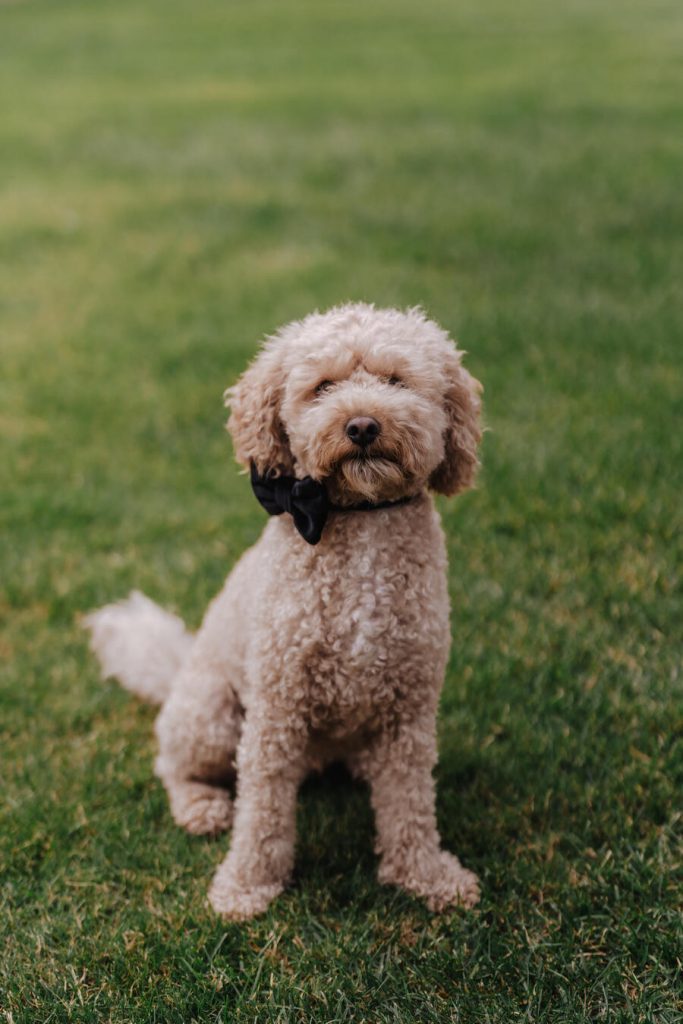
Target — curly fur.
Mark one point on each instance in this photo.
(347, 660)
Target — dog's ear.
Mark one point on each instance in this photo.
(257, 432)
(463, 430)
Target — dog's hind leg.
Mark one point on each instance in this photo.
(200, 808)
(198, 730)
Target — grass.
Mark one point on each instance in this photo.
(177, 180)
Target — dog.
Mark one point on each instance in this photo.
(330, 638)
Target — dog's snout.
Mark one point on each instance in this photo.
(362, 430)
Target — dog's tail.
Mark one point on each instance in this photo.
(140, 644)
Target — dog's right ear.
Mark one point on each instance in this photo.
(257, 432)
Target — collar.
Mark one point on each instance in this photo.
(306, 501)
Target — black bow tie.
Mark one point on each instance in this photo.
(306, 501)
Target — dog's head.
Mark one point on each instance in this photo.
(373, 402)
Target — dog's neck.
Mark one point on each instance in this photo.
(405, 515)
(372, 506)
(390, 527)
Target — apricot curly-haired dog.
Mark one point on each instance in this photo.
(330, 637)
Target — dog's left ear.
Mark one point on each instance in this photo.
(258, 434)
(463, 430)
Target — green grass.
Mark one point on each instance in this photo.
(176, 180)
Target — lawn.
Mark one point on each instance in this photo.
(177, 180)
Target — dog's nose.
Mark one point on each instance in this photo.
(362, 430)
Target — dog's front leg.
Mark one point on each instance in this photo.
(270, 767)
(403, 797)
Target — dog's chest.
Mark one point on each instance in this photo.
(382, 629)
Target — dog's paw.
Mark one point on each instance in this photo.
(441, 882)
(237, 903)
(457, 886)
(201, 809)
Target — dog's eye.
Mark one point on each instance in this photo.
(324, 385)
(394, 381)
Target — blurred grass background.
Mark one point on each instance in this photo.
(178, 179)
